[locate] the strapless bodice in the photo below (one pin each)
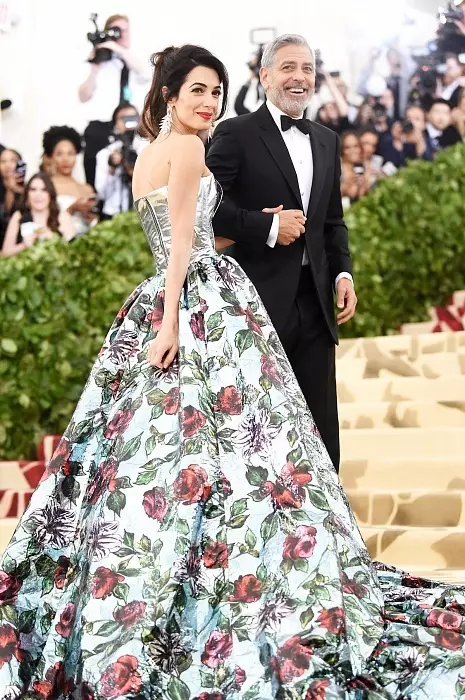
(155, 219)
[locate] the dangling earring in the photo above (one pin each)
(211, 131)
(167, 121)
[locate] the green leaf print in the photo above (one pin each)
(45, 565)
(223, 623)
(253, 692)
(306, 617)
(243, 340)
(262, 573)
(256, 476)
(145, 478)
(8, 613)
(150, 445)
(242, 635)
(237, 522)
(318, 499)
(276, 420)
(292, 437)
(121, 591)
(207, 679)
(214, 320)
(128, 539)
(182, 526)
(131, 448)
(108, 628)
(47, 585)
(301, 565)
(60, 650)
(228, 296)
(250, 538)
(265, 383)
(177, 689)
(116, 502)
(269, 527)
(295, 455)
(215, 335)
(239, 507)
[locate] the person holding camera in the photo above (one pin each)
(116, 75)
(115, 163)
(62, 144)
(355, 177)
(251, 96)
(12, 174)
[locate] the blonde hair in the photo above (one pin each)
(115, 18)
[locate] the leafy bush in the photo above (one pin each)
(58, 300)
(407, 239)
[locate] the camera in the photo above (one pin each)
(21, 168)
(407, 127)
(319, 76)
(128, 153)
(100, 37)
(359, 169)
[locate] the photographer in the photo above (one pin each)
(115, 163)
(452, 80)
(334, 114)
(440, 133)
(115, 76)
(251, 95)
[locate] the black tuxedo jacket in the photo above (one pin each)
(250, 160)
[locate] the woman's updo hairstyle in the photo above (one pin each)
(171, 67)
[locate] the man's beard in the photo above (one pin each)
(288, 104)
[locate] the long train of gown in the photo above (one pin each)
(190, 539)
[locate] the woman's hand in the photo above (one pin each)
(164, 348)
(15, 183)
(30, 240)
(83, 205)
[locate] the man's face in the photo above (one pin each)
(417, 116)
(290, 82)
(120, 126)
(123, 26)
(439, 116)
(453, 70)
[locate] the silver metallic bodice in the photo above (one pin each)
(155, 219)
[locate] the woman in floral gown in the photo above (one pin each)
(190, 539)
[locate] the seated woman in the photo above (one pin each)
(39, 219)
(62, 144)
(11, 187)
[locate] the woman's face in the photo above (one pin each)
(64, 158)
(8, 162)
(38, 198)
(197, 104)
(366, 113)
(351, 150)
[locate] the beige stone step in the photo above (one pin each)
(402, 414)
(443, 364)
(417, 548)
(7, 528)
(402, 389)
(380, 473)
(369, 443)
(452, 576)
(416, 508)
(417, 328)
(401, 346)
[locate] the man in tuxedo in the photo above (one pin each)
(280, 175)
(440, 132)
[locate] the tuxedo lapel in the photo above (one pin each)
(274, 142)
(319, 171)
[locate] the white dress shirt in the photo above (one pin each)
(300, 151)
(107, 91)
(109, 187)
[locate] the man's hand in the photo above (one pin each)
(346, 300)
(291, 224)
(113, 46)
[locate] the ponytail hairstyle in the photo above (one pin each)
(171, 68)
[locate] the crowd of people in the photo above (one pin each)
(383, 123)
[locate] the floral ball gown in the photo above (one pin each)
(190, 539)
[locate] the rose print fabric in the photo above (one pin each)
(190, 539)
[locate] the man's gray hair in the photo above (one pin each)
(273, 47)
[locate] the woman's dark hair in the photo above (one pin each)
(171, 67)
(53, 222)
(56, 134)
(120, 107)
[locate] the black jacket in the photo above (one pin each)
(250, 160)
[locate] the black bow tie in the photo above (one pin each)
(302, 124)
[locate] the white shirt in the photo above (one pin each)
(300, 151)
(106, 95)
(110, 187)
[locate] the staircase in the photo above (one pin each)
(402, 418)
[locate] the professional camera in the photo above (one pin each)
(100, 37)
(407, 127)
(127, 137)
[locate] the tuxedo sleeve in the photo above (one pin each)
(336, 234)
(225, 159)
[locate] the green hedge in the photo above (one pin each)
(58, 300)
(408, 244)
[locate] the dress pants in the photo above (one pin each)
(311, 352)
